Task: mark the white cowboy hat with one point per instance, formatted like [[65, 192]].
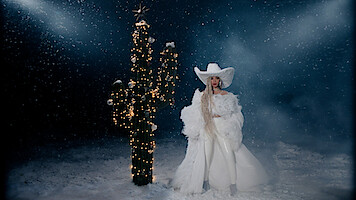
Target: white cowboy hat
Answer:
[[226, 75]]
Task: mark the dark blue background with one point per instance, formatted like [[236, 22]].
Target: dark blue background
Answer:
[[293, 61]]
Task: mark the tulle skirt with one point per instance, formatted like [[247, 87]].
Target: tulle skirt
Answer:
[[189, 176]]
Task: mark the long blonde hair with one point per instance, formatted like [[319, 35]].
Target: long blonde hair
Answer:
[[206, 106]]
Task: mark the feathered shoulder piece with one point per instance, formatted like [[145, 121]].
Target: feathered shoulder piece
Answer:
[[233, 102], [197, 97], [230, 101]]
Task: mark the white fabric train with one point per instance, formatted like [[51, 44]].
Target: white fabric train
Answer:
[[189, 176]]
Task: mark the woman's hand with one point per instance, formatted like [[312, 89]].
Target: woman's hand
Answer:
[[216, 116]]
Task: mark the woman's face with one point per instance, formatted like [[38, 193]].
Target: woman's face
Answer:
[[215, 81]]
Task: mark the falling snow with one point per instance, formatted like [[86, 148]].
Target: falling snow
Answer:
[[293, 60]]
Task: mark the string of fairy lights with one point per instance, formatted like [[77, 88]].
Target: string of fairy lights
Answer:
[[134, 108]]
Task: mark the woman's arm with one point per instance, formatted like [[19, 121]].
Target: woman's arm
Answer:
[[191, 117], [235, 114]]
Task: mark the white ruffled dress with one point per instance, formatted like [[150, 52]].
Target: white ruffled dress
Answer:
[[189, 176]]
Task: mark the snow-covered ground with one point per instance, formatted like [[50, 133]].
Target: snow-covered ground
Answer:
[[99, 170]]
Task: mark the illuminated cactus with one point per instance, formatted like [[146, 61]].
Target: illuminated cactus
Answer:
[[134, 107]]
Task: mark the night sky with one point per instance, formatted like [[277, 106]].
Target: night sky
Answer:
[[293, 61]]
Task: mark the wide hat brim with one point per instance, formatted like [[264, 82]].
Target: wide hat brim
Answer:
[[226, 75]]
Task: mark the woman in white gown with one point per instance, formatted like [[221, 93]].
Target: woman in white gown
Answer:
[[215, 155]]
